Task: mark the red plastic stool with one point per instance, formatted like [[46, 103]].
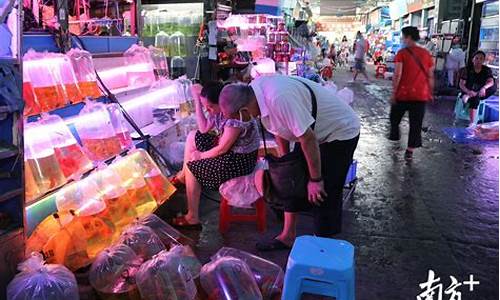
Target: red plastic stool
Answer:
[[226, 217], [380, 70]]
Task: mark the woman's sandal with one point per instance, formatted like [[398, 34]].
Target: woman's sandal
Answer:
[[272, 245], [182, 223]]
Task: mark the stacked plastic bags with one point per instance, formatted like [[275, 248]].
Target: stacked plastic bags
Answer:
[[53, 156], [268, 276], [53, 80], [150, 263], [234, 274], [165, 275], [93, 212], [140, 262]]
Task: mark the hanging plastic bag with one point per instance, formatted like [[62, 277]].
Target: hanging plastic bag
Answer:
[[140, 66], [169, 236], [72, 161], [67, 246], [119, 208], [229, 278], [164, 278], [187, 258], [96, 132], [113, 271], [47, 85], [61, 239], [268, 275], [132, 171], [83, 66], [346, 95], [42, 282], [142, 240], [40, 158], [46, 229]]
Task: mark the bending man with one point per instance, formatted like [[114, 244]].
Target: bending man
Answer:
[[284, 105]]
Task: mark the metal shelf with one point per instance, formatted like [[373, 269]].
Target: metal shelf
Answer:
[[11, 194], [11, 231], [7, 151]]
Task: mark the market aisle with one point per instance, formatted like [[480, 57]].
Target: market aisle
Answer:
[[440, 213]]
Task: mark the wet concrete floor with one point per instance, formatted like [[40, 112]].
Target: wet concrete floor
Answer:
[[438, 213]]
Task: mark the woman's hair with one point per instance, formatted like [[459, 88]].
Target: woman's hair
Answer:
[[235, 96], [211, 90], [411, 32]]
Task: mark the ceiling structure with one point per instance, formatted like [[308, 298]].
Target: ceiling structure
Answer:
[[342, 7]]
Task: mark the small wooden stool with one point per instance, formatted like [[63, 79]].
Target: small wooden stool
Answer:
[[226, 217]]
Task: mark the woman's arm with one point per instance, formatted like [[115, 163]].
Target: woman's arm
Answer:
[[204, 125], [226, 142], [489, 83], [465, 89]]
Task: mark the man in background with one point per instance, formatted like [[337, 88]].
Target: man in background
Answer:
[[360, 49]]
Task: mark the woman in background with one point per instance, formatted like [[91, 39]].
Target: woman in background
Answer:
[[476, 83]]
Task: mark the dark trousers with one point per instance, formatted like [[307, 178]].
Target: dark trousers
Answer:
[[336, 157], [416, 111]]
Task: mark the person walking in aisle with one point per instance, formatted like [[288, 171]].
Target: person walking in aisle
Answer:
[[360, 49], [326, 132], [413, 86], [455, 60]]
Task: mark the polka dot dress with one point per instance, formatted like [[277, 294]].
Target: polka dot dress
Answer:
[[212, 172]]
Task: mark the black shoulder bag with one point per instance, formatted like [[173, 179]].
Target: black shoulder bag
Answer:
[[286, 179]]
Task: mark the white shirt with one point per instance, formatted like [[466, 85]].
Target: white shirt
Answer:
[[360, 49], [286, 109], [455, 59]]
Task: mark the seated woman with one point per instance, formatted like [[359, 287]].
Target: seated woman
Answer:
[[477, 83], [210, 125], [217, 160]]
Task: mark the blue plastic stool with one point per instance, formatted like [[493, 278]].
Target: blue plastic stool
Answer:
[[487, 111], [320, 266], [352, 173]]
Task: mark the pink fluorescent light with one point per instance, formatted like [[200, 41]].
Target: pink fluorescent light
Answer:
[[118, 71], [156, 95]]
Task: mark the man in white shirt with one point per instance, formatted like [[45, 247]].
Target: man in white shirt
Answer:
[[360, 49], [284, 105]]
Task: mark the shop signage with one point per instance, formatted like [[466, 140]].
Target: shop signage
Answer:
[[397, 9]]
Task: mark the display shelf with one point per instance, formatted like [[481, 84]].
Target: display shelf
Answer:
[[8, 109], [11, 60], [69, 110], [100, 44]]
